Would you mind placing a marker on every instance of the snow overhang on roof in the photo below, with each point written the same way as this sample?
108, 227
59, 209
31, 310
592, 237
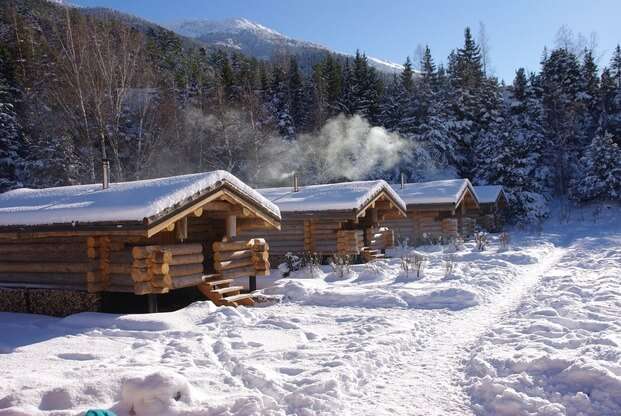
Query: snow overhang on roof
489, 194
345, 196
138, 202
444, 192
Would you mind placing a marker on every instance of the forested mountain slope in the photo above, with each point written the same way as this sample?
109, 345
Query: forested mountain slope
75, 81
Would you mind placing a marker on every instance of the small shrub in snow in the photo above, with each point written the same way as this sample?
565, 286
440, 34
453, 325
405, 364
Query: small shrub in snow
454, 245
311, 262
432, 240
449, 264
292, 263
341, 265
480, 240
412, 263
504, 241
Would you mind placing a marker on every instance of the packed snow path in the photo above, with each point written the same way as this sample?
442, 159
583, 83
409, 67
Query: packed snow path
433, 371
560, 352
374, 342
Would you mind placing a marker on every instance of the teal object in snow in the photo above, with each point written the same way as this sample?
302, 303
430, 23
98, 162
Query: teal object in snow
100, 413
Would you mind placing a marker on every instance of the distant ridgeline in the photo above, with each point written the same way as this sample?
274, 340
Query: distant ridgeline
72, 79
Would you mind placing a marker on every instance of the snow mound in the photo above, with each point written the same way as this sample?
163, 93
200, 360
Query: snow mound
158, 393
451, 298
182, 319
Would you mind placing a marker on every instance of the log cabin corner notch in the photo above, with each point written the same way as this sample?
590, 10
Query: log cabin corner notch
339, 218
436, 209
142, 237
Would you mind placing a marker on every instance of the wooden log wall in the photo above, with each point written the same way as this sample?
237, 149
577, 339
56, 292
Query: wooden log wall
290, 238
320, 236
45, 262
450, 227
241, 258
467, 226
404, 229
429, 225
161, 268
349, 242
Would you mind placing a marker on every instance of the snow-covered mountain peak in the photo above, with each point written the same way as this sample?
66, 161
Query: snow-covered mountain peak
260, 41
233, 26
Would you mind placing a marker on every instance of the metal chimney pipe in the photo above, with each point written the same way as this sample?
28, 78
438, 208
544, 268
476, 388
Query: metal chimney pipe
296, 187
105, 165
402, 180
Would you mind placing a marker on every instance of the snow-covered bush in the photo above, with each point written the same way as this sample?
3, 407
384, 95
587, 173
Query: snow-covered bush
504, 239
449, 264
413, 263
341, 265
480, 240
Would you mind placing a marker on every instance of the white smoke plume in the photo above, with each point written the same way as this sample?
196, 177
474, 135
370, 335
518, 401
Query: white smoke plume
346, 147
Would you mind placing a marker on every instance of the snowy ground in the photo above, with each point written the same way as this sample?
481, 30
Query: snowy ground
533, 329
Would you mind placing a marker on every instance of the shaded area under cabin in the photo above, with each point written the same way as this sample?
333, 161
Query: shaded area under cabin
340, 218
435, 210
142, 238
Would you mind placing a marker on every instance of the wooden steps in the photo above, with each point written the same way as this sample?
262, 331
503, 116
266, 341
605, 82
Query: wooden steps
221, 293
370, 254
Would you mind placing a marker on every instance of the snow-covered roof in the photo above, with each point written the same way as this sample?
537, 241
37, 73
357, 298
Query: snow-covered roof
448, 191
121, 202
488, 194
329, 197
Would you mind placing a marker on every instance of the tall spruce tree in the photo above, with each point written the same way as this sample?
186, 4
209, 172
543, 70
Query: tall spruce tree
512, 154
560, 78
11, 136
601, 171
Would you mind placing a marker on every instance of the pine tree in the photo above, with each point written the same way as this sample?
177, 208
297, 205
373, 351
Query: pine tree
560, 78
601, 173
365, 89
11, 137
473, 100
588, 99
407, 80
512, 153
615, 66
296, 96
278, 104
51, 162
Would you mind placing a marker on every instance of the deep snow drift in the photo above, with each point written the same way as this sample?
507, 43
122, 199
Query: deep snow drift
532, 329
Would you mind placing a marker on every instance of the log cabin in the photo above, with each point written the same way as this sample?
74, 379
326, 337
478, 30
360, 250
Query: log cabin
143, 237
435, 210
339, 218
493, 202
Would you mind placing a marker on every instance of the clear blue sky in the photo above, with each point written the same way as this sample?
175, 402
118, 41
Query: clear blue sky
391, 29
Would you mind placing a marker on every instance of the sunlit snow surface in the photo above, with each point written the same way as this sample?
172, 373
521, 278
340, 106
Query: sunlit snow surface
334, 196
123, 201
531, 330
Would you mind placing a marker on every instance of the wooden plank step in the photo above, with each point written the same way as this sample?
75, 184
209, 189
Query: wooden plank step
218, 282
238, 298
229, 289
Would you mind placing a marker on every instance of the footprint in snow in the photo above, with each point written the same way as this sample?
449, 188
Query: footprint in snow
290, 371
76, 356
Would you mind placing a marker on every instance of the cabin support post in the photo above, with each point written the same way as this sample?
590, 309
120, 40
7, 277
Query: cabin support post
231, 226
373, 212
252, 283
152, 301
